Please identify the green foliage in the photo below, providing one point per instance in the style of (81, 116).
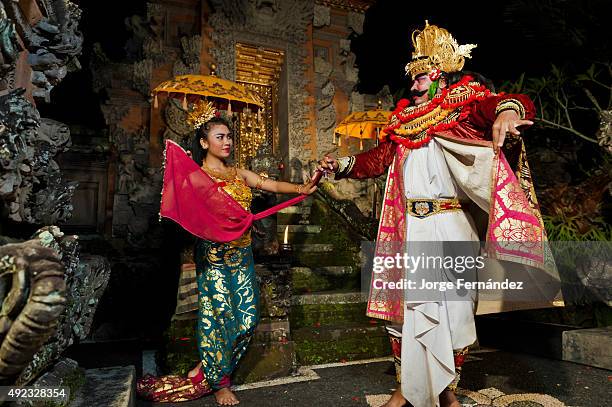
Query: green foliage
(180, 354)
(570, 102)
(568, 228)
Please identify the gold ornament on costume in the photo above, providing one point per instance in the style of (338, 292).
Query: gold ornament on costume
(200, 114)
(435, 48)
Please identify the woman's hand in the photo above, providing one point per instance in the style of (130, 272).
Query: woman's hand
(307, 188)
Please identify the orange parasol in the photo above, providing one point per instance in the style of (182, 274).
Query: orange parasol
(362, 125)
(194, 88)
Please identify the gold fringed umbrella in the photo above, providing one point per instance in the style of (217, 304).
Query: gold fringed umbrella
(193, 88)
(362, 125)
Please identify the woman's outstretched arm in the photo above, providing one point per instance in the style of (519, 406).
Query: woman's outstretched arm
(254, 180)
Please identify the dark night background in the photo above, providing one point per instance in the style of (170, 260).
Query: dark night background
(513, 37)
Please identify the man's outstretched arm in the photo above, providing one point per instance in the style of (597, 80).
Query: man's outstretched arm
(369, 164)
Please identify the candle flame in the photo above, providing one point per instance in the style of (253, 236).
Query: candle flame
(286, 239)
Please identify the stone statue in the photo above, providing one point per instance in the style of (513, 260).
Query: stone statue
(33, 293)
(86, 277)
(265, 241)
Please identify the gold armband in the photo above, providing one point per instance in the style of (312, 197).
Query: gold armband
(262, 179)
(511, 104)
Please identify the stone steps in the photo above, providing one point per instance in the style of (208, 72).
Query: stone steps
(592, 347)
(340, 342)
(294, 215)
(327, 318)
(306, 279)
(332, 327)
(299, 228)
(325, 270)
(107, 387)
(328, 309)
(296, 210)
(352, 297)
(314, 247)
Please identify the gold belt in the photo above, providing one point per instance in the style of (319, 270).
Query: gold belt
(422, 208)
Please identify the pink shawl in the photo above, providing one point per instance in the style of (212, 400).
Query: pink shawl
(198, 203)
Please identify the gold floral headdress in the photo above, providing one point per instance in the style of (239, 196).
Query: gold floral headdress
(201, 113)
(436, 49)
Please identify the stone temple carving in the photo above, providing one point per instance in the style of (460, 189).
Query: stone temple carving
(53, 42)
(189, 63)
(31, 185)
(48, 293)
(29, 271)
(86, 278)
(9, 47)
(277, 24)
(265, 239)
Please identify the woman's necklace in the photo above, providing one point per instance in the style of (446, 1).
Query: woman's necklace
(229, 174)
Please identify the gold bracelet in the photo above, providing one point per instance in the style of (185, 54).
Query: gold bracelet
(298, 188)
(511, 104)
(262, 179)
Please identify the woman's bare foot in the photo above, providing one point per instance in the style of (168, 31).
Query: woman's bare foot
(448, 399)
(396, 400)
(225, 397)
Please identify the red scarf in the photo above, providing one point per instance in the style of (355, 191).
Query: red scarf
(191, 198)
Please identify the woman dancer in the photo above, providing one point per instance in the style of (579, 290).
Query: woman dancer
(228, 290)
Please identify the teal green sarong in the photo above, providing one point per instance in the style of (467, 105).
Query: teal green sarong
(228, 307)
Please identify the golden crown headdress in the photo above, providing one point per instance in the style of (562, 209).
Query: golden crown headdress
(201, 113)
(435, 48)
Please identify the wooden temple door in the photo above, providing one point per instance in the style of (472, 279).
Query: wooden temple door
(259, 69)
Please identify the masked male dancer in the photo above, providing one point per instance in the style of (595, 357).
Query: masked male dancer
(442, 149)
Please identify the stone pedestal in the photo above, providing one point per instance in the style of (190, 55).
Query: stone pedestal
(104, 387)
(108, 387)
(592, 347)
(271, 354)
(65, 373)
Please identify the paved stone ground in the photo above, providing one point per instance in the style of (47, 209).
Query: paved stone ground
(509, 373)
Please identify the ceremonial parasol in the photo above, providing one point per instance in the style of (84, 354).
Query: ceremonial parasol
(362, 125)
(193, 88)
